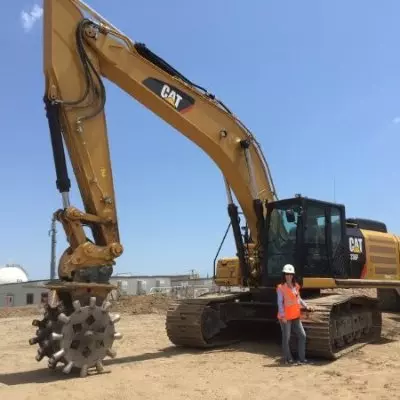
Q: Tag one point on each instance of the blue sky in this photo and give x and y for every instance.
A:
(317, 82)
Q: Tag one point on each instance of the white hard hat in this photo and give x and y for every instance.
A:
(288, 269)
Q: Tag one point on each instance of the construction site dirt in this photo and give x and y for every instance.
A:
(148, 366)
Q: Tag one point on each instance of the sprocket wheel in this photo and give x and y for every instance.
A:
(81, 339)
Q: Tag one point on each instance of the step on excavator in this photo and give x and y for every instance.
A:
(328, 249)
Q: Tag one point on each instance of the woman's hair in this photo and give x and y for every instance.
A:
(283, 279)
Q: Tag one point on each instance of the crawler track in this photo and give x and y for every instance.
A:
(196, 323)
(340, 323)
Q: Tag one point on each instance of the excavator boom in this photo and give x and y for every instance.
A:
(78, 52)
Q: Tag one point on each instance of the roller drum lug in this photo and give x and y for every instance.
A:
(77, 305)
(105, 306)
(84, 371)
(99, 366)
(63, 318)
(111, 353)
(33, 340)
(92, 302)
(115, 318)
(67, 369)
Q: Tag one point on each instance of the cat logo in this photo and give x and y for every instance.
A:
(355, 245)
(178, 99)
(171, 96)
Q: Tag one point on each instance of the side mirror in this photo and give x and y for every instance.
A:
(290, 217)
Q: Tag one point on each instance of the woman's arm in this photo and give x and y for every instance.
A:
(304, 304)
(281, 310)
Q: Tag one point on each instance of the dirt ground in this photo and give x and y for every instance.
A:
(149, 367)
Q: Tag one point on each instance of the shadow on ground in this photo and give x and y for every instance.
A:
(383, 340)
(43, 375)
(257, 340)
(253, 342)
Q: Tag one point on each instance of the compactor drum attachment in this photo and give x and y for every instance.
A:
(79, 337)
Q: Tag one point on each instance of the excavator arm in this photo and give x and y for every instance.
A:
(78, 53)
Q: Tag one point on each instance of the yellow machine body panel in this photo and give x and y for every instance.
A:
(228, 272)
(382, 255)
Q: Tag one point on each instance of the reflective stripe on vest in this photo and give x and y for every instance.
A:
(291, 304)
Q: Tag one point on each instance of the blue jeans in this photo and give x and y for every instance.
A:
(286, 329)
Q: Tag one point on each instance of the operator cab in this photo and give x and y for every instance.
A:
(308, 233)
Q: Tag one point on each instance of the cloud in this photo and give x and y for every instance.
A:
(396, 120)
(29, 18)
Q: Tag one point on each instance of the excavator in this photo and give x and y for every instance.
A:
(328, 249)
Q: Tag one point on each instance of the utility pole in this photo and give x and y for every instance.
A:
(52, 233)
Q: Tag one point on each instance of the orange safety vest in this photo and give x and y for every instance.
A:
(291, 302)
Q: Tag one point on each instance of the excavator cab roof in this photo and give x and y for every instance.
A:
(304, 202)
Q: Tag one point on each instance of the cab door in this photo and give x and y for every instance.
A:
(323, 241)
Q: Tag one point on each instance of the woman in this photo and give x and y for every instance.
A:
(289, 305)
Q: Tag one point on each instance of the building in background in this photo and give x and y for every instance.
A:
(16, 290)
(131, 285)
(22, 294)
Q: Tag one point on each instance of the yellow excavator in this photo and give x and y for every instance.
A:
(328, 249)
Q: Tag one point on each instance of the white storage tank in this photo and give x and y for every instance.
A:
(12, 273)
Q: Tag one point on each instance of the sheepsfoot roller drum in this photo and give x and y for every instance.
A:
(340, 324)
(77, 329)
